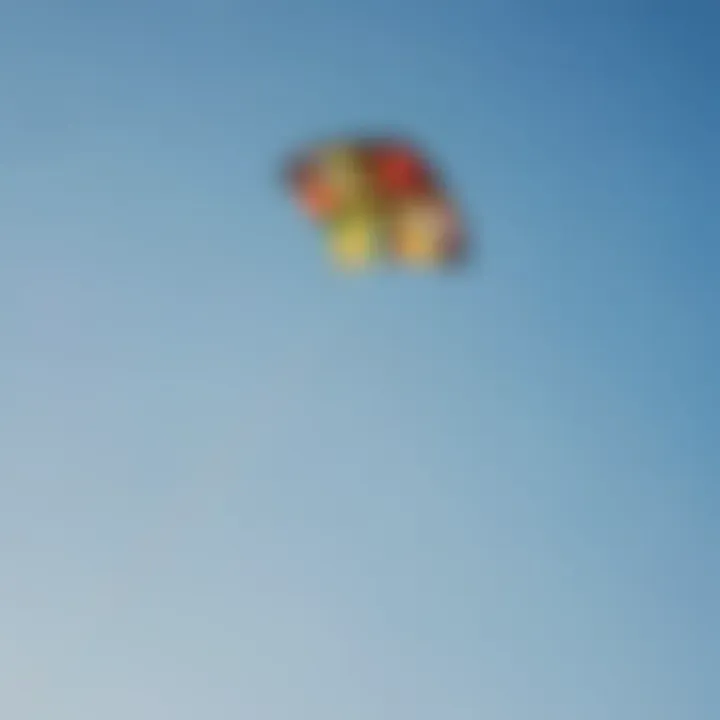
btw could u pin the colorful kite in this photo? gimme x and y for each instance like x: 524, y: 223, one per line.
x: 379, y: 202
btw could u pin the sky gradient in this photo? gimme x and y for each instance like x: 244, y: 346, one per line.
x: 236, y: 484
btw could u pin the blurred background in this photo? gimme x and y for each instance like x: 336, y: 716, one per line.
x: 234, y: 483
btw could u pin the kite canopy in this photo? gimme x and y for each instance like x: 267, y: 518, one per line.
x: 379, y: 201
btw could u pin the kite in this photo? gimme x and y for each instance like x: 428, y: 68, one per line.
x: 379, y: 202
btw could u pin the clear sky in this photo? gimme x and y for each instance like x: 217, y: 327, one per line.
x: 234, y: 484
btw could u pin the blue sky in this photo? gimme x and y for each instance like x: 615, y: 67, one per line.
x: 236, y: 484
